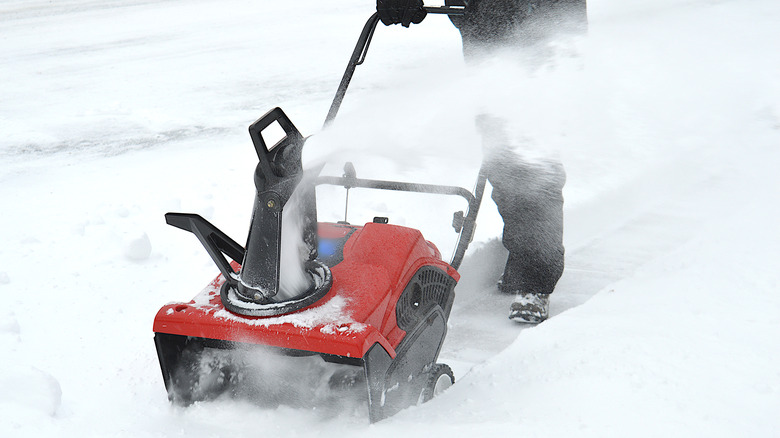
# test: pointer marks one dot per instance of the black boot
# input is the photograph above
(530, 308)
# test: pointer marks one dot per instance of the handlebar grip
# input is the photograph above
(449, 10)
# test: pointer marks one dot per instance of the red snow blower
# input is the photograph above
(378, 294)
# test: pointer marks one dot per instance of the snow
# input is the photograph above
(667, 119)
(329, 314)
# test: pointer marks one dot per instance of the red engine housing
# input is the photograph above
(371, 268)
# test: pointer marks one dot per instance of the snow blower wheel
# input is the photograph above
(440, 378)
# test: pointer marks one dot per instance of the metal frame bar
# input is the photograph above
(474, 200)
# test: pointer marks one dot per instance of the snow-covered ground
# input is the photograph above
(667, 118)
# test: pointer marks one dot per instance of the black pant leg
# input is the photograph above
(529, 197)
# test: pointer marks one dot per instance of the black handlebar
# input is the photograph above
(361, 48)
(467, 223)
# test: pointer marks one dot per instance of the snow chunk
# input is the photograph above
(331, 329)
(4, 278)
(138, 248)
(31, 388)
(9, 325)
(203, 299)
(123, 212)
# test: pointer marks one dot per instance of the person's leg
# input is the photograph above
(529, 197)
(530, 200)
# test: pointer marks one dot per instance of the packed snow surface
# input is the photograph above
(666, 117)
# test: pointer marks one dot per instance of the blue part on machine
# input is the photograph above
(327, 247)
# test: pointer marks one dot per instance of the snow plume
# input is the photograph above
(293, 278)
(275, 379)
(268, 379)
(616, 106)
(619, 99)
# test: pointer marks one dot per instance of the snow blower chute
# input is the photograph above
(378, 295)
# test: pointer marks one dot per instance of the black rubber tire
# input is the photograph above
(440, 377)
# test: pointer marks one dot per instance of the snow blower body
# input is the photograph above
(377, 299)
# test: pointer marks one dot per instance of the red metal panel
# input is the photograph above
(357, 312)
